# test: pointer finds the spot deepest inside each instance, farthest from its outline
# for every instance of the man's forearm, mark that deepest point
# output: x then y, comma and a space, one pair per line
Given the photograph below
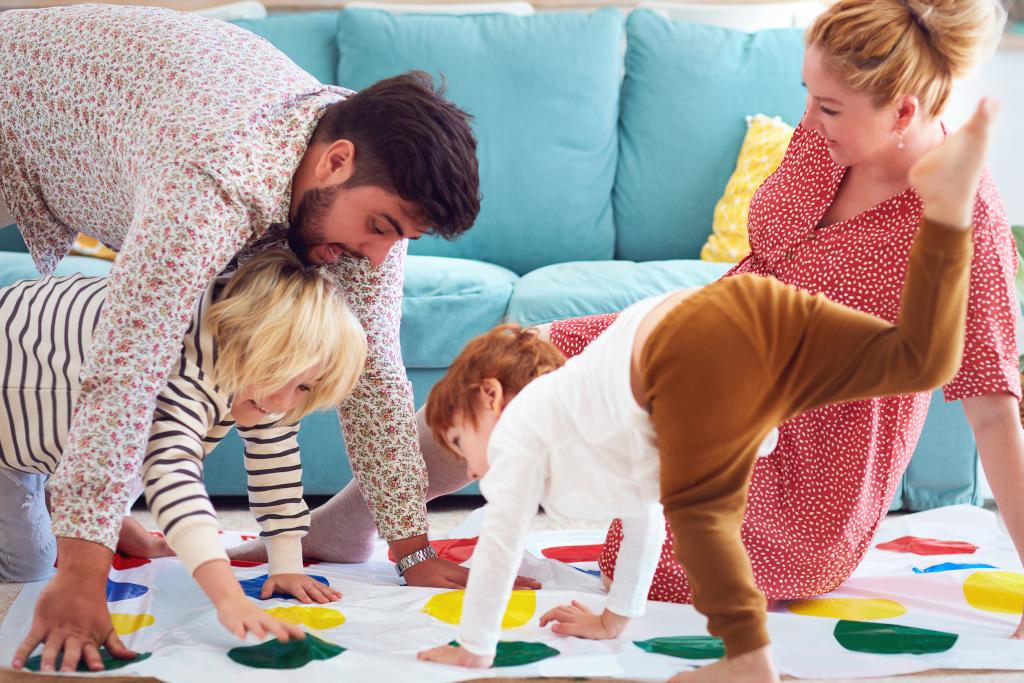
86, 562
406, 546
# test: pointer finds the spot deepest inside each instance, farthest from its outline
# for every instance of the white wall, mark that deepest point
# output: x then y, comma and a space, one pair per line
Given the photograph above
1002, 78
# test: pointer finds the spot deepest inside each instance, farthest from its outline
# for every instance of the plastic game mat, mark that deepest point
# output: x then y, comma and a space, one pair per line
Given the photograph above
938, 589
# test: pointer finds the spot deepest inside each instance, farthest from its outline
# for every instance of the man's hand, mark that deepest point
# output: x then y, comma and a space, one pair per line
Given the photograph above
300, 586
439, 573
455, 656
577, 620
71, 614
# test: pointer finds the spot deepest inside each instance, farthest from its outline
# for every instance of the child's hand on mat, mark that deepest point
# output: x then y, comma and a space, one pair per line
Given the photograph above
1019, 633
576, 620
302, 587
455, 656
241, 616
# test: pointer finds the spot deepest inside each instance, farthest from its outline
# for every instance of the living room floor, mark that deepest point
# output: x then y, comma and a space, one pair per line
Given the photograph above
446, 514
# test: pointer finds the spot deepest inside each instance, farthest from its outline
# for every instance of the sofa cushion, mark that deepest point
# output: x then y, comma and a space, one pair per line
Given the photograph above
16, 265
567, 290
11, 240
544, 93
687, 92
448, 301
308, 38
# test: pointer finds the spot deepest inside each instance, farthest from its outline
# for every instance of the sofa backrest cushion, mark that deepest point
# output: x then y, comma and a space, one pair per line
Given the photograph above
544, 93
687, 91
308, 38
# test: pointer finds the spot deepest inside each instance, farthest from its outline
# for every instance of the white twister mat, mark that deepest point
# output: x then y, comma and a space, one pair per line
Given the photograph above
887, 619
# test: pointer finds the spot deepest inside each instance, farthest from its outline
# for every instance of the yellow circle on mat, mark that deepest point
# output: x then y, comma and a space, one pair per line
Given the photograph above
447, 607
851, 609
313, 617
995, 591
130, 623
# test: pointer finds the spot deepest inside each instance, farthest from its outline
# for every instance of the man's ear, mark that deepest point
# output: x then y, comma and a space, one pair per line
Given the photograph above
336, 163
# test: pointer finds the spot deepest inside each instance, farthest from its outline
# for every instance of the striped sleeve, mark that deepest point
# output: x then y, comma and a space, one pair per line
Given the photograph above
172, 472
275, 492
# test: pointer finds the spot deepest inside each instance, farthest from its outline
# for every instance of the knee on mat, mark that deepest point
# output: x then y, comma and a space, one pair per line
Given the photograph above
31, 562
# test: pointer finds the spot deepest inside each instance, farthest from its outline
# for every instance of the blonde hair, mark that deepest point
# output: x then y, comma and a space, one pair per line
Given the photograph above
275, 320
890, 48
510, 354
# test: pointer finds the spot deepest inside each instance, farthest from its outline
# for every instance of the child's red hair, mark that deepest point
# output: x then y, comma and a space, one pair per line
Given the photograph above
509, 353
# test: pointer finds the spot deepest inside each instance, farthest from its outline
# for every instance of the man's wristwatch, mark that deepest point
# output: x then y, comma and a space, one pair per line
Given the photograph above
414, 558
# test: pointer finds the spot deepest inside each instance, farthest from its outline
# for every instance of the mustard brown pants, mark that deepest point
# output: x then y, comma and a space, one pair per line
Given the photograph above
742, 355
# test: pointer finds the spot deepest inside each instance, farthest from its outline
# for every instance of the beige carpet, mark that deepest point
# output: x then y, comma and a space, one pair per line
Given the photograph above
445, 514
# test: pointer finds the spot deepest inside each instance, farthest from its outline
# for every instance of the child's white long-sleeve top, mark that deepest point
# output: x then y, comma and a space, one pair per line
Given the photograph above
577, 442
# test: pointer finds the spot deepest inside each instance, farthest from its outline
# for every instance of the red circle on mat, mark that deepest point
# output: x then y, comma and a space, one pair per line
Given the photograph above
124, 562
456, 550
927, 546
574, 553
245, 563
253, 563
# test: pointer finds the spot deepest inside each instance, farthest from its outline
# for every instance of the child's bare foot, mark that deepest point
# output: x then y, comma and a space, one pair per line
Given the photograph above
751, 667
135, 541
947, 177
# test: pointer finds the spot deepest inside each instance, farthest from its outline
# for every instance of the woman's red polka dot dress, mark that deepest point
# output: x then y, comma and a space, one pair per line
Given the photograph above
815, 502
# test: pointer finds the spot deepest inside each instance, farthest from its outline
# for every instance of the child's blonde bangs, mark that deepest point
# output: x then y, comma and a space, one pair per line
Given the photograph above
275, 321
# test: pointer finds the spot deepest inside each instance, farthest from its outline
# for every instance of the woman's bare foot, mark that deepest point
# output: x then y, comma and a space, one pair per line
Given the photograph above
947, 177
543, 331
250, 551
135, 541
756, 666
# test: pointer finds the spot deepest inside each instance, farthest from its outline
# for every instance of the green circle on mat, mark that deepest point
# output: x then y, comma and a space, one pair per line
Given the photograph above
291, 655
890, 639
110, 662
519, 653
684, 647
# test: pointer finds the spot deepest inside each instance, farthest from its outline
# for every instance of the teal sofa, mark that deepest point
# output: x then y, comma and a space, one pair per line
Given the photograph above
600, 171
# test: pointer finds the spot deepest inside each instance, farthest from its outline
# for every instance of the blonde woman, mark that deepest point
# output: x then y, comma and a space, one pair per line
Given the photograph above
266, 346
838, 217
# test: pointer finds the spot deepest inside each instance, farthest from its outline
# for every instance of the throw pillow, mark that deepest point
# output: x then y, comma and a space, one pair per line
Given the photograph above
762, 151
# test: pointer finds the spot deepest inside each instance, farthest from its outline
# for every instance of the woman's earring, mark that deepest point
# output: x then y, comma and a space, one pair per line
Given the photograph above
899, 144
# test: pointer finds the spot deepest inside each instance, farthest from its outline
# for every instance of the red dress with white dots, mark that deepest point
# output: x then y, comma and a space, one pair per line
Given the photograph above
815, 502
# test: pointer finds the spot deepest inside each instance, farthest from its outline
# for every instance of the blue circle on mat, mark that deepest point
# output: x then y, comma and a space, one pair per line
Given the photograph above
254, 586
950, 567
124, 591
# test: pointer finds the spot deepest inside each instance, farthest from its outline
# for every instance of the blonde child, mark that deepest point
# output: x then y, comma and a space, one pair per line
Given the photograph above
649, 418
267, 345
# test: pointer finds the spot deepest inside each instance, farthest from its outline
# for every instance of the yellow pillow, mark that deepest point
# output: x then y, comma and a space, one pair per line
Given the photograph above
762, 151
87, 246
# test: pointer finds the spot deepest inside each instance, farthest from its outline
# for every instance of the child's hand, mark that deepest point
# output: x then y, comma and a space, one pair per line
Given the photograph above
577, 620
300, 586
242, 616
455, 656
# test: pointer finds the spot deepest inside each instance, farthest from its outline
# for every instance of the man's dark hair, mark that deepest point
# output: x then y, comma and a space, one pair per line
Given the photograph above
410, 140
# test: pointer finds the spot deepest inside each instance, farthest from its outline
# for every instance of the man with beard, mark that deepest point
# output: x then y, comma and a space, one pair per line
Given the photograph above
182, 141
